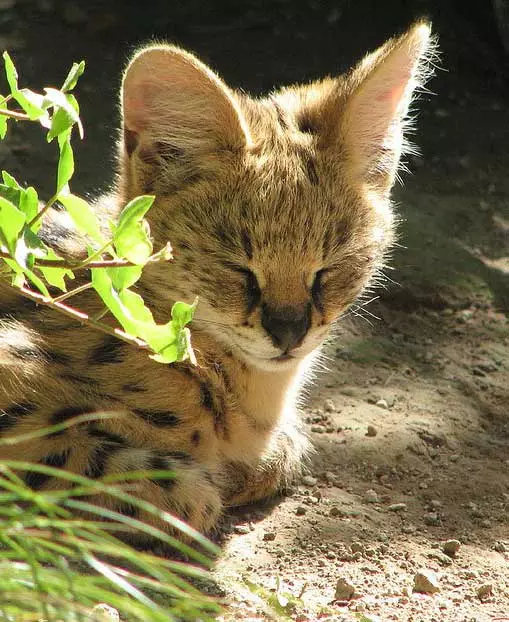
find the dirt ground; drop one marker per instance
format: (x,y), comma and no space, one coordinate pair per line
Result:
(409,414)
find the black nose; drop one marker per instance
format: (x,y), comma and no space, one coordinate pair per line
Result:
(287,326)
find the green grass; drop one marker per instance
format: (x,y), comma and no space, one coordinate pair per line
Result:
(56,565)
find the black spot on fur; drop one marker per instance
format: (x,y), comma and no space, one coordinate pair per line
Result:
(311,171)
(128,509)
(159,418)
(108,445)
(215,404)
(104,435)
(180,456)
(9,416)
(59,416)
(306,125)
(37,480)
(58,358)
(196,438)
(206,396)
(111,350)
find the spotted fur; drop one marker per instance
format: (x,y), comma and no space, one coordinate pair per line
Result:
(279,213)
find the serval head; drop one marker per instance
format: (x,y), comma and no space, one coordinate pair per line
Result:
(278,209)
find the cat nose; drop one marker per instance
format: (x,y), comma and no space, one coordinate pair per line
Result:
(286,326)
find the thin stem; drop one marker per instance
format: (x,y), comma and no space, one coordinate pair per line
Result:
(73,292)
(86,262)
(70,265)
(14,114)
(40,214)
(101,314)
(82,317)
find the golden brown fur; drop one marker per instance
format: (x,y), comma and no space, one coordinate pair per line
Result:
(279,213)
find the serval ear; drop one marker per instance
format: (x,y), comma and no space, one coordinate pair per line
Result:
(380,91)
(358,120)
(177,116)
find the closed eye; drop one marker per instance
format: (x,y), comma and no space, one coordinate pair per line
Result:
(317,290)
(253,291)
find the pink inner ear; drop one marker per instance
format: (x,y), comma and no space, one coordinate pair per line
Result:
(137,109)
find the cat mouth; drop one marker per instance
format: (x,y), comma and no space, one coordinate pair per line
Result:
(285,356)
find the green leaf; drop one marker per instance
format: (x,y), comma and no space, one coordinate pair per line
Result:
(26,200)
(66,112)
(132,235)
(11,223)
(182,313)
(54,276)
(135,307)
(60,122)
(83,216)
(135,210)
(10,72)
(122,278)
(3,126)
(11,194)
(104,287)
(29,203)
(73,76)
(33,104)
(10,181)
(65,162)
(3,118)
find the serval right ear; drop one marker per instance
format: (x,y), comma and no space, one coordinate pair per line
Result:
(376,116)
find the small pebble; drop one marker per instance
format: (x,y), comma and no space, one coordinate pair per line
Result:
(371,496)
(344,589)
(484,591)
(318,429)
(451,547)
(300,511)
(432,519)
(335,511)
(426,582)
(500,547)
(329,406)
(357,547)
(396,507)
(268,536)
(372,431)
(309,480)
(381,403)
(241,529)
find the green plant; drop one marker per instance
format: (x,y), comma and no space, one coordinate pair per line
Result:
(117,251)
(60,555)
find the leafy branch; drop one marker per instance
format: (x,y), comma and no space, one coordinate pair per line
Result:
(117,251)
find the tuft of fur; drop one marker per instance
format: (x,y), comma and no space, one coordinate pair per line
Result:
(279,213)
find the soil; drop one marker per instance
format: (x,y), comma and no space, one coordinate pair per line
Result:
(409,414)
